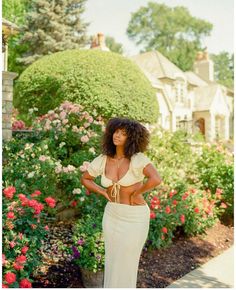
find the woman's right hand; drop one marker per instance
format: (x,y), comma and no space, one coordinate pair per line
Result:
(105,194)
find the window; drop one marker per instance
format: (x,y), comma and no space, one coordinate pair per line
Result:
(179,90)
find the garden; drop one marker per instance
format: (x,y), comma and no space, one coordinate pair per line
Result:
(52,225)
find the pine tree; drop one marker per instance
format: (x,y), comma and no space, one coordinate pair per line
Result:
(52,26)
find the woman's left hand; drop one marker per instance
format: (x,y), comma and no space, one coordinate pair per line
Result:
(134,200)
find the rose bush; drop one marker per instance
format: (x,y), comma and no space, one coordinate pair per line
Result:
(24,227)
(192,210)
(64,141)
(216,170)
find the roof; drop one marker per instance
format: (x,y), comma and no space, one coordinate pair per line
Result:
(157,65)
(204,97)
(194,79)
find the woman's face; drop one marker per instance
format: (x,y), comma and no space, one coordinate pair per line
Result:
(119,137)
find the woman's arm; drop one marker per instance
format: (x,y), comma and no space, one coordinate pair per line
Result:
(87,181)
(154,180)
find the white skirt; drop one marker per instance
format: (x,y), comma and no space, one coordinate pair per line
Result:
(125,230)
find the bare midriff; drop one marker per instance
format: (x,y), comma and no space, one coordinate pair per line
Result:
(125,193)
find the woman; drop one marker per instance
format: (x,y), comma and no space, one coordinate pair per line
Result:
(126,217)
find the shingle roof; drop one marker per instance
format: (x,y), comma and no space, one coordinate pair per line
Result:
(204,97)
(157,65)
(194,79)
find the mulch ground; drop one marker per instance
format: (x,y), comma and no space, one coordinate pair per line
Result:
(157,268)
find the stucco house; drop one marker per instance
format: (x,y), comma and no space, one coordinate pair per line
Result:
(191,100)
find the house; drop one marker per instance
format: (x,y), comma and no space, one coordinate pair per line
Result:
(191,100)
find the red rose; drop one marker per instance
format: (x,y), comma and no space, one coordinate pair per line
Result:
(175,202)
(10,215)
(164,230)
(182,218)
(9,192)
(168,210)
(10,277)
(152,215)
(74,203)
(21,259)
(50,201)
(17,266)
(25,283)
(24,250)
(196,209)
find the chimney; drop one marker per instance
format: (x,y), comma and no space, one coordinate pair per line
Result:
(98,42)
(203,66)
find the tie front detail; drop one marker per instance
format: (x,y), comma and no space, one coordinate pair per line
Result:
(115,191)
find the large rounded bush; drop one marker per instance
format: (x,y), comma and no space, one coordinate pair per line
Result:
(105,81)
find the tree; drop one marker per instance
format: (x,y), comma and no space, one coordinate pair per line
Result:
(15,11)
(171,31)
(224,68)
(53,26)
(113,45)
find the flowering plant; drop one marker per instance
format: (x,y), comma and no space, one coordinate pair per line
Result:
(88,249)
(193,210)
(24,228)
(65,139)
(216,170)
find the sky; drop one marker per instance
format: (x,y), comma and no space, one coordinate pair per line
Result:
(111,17)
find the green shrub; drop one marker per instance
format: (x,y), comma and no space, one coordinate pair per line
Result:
(105,81)
(216,171)
(173,158)
(192,210)
(88,250)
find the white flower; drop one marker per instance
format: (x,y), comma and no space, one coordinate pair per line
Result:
(84,167)
(86,125)
(45,147)
(92,150)
(62,144)
(28,146)
(71,168)
(76,191)
(51,112)
(58,169)
(75,129)
(82,199)
(31,174)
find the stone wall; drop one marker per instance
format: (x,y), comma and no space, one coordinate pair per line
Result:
(7,103)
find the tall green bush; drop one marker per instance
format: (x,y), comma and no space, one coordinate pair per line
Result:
(105,81)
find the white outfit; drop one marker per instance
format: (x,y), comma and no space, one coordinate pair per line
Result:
(125,227)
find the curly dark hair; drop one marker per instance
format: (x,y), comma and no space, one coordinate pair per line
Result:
(137,137)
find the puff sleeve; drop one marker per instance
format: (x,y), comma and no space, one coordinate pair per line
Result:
(139,163)
(96,166)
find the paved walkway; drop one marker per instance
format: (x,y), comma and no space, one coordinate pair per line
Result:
(216,273)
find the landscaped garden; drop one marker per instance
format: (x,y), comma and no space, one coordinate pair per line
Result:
(48,216)
(52,225)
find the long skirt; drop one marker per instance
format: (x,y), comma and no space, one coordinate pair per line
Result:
(125,230)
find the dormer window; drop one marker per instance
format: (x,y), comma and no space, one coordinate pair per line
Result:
(179,90)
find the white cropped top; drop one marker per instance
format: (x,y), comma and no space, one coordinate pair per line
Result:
(134,174)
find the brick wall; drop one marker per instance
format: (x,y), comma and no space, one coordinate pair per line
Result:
(7,103)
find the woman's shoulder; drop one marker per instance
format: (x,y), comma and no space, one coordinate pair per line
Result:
(139,159)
